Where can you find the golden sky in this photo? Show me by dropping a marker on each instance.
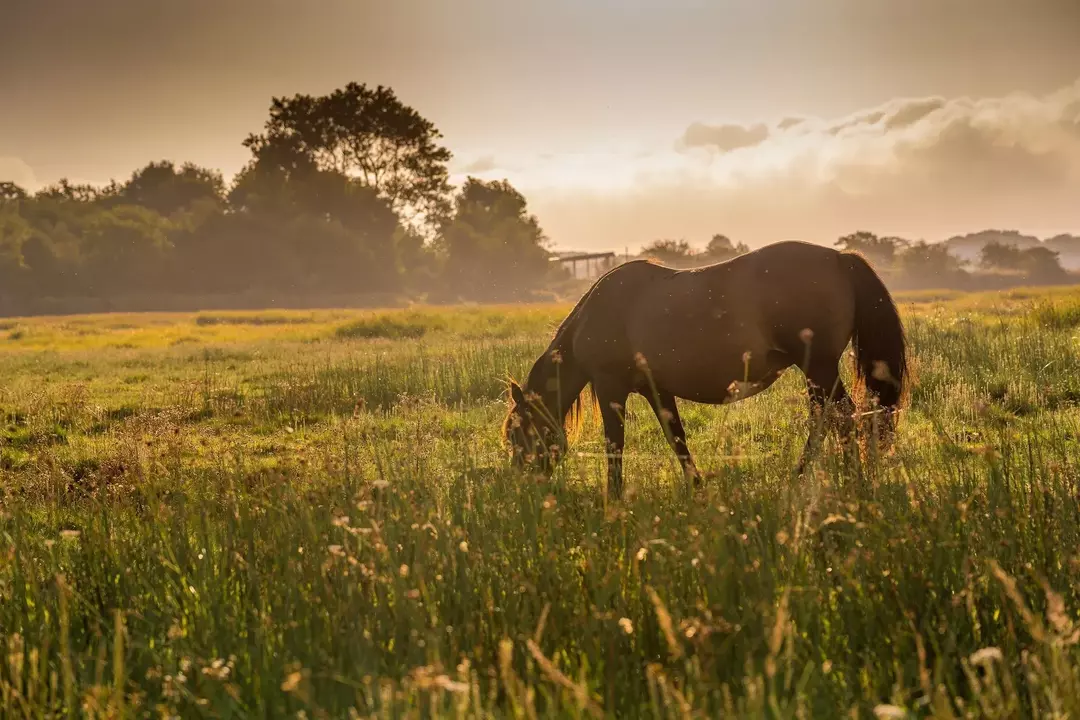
(622, 120)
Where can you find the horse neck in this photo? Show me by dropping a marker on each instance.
(568, 384)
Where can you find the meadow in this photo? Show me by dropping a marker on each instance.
(311, 514)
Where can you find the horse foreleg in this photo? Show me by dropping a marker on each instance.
(612, 401)
(667, 414)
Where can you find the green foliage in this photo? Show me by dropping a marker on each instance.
(366, 133)
(170, 191)
(494, 247)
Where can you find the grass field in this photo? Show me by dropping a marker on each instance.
(310, 514)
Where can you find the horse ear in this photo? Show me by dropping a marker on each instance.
(516, 394)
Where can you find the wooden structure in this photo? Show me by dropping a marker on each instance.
(586, 266)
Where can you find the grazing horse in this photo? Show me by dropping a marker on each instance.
(716, 334)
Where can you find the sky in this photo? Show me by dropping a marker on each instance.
(622, 121)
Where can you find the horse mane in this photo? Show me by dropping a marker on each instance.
(562, 347)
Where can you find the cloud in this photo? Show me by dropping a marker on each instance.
(480, 165)
(15, 170)
(923, 167)
(723, 138)
(790, 122)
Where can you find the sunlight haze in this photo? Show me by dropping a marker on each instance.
(621, 122)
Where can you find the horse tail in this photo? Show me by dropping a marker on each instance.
(878, 337)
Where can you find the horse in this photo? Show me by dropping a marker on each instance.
(716, 334)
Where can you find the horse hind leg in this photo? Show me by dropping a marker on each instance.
(830, 407)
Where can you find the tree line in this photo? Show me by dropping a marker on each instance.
(910, 264)
(343, 193)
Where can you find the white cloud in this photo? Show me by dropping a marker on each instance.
(15, 170)
(924, 167)
(724, 137)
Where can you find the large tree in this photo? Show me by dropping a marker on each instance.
(169, 190)
(367, 134)
(494, 248)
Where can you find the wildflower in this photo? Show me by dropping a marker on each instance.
(463, 546)
(403, 571)
(626, 625)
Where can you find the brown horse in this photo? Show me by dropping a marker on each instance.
(715, 335)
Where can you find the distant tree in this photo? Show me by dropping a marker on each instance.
(124, 250)
(14, 232)
(721, 248)
(168, 190)
(882, 251)
(999, 256)
(494, 248)
(285, 187)
(928, 261)
(1043, 264)
(10, 192)
(1037, 263)
(66, 190)
(670, 252)
(366, 133)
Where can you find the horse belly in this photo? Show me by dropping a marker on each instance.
(712, 372)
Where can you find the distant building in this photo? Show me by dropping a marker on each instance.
(585, 266)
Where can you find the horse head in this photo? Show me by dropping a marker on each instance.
(536, 438)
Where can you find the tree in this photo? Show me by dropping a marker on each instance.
(669, 252)
(367, 134)
(721, 248)
(999, 256)
(169, 191)
(124, 250)
(10, 192)
(928, 261)
(494, 248)
(285, 187)
(881, 251)
(14, 232)
(78, 192)
(1038, 263)
(1043, 264)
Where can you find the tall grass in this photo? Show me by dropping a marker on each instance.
(260, 530)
